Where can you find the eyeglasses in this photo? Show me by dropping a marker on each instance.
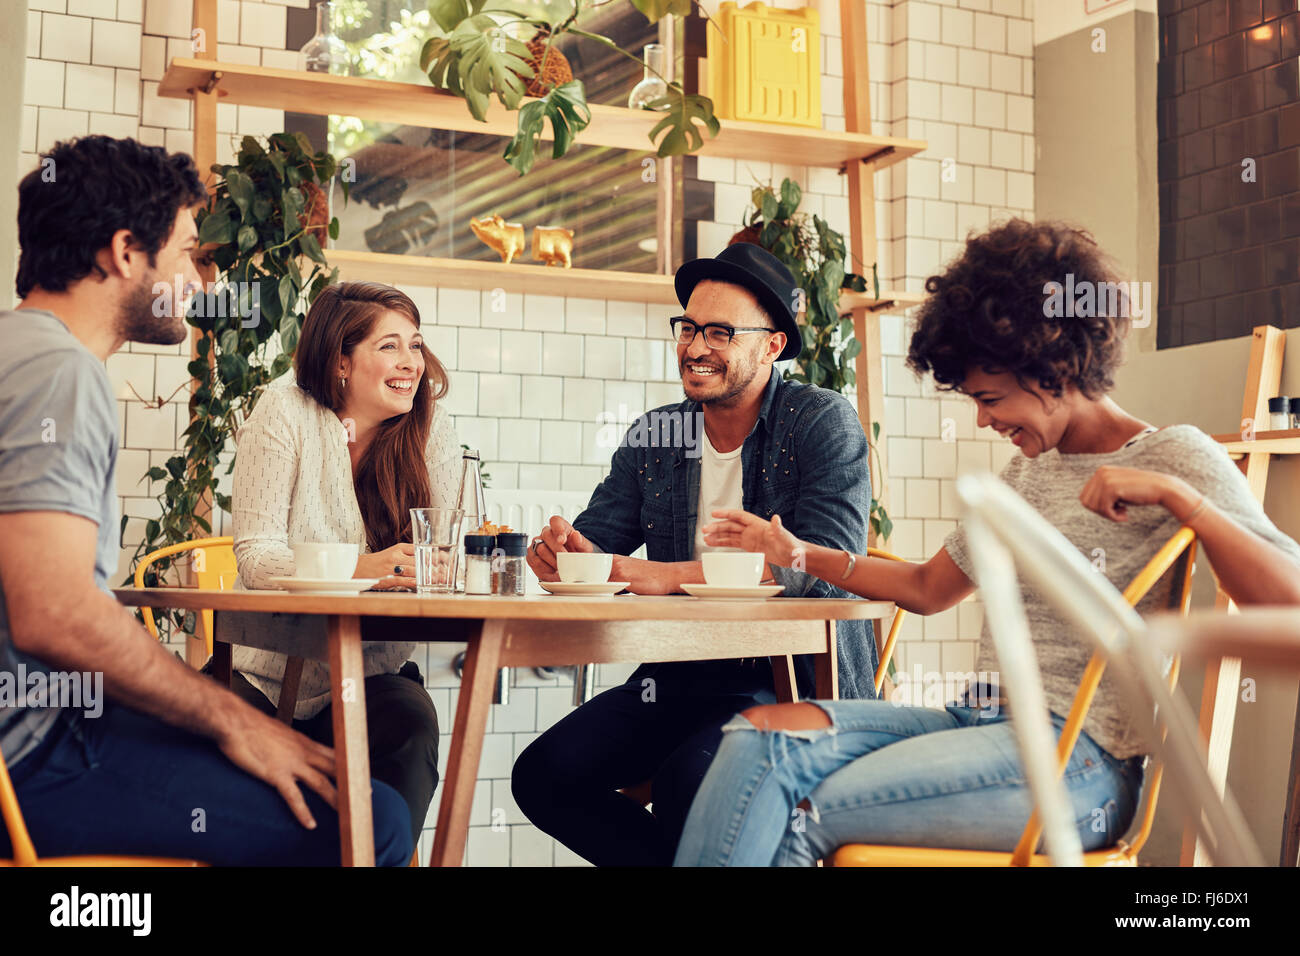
(716, 336)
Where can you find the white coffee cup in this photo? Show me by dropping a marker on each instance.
(578, 567)
(733, 569)
(325, 561)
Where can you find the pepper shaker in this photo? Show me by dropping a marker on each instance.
(508, 565)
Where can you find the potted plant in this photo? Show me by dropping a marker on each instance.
(814, 253)
(262, 230)
(477, 53)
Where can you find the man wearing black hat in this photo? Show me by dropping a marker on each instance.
(743, 438)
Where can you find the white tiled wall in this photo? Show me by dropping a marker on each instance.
(528, 382)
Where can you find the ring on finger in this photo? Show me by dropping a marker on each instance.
(536, 542)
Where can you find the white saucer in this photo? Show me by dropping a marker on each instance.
(325, 585)
(720, 591)
(595, 587)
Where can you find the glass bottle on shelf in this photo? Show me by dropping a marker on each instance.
(652, 87)
(324, 52)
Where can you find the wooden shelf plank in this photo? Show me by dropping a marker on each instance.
(517, 277)
(546, 280)
(421, 105)
(891, 300)
(1280, 442)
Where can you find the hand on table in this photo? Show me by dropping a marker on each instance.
(557, 536)
(281, 756)
(383, 564)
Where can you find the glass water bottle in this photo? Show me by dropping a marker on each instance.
(652, 87)
(325, 52)
(470, 500)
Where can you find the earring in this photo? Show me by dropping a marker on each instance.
(343, 381)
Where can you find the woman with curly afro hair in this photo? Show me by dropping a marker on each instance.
(997, 327)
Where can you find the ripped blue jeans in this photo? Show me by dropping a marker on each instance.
(888, 774)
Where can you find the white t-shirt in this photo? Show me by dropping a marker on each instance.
(721, 486)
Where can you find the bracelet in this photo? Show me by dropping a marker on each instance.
(853, 562)
(1195, 511)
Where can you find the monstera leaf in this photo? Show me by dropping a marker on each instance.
(566, 107)
(684, 111)
(656, 10)
(475, 60)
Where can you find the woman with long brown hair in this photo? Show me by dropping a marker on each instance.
(340, 452)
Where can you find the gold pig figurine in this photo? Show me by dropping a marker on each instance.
(553, 245)
(505, 238)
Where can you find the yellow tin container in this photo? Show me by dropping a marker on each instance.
(769, 67)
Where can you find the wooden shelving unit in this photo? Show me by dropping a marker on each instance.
(524, 277)
(855, 152)
(421, 105)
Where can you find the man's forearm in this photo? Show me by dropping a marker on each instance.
(101, 636)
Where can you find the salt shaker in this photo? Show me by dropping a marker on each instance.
(1279, 413)
(478, 563)
(509, 569)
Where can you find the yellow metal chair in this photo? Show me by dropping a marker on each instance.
(1122, 853)
(213, 564)
(214, 568)
(887, 651)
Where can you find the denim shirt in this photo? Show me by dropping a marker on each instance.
(806, 459)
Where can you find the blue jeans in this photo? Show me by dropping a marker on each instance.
(889, 774)
(127, 783)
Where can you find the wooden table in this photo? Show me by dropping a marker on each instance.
(532, 631)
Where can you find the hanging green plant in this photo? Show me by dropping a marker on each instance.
(262, 230)
(815, 253)
(475, 56)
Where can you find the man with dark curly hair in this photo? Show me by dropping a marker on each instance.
(171, 764)
(876, 772)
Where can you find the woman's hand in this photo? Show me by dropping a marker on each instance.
(1111, 490)
(740, 529)
(384, 565)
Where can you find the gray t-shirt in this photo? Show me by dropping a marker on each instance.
(1051, 483)
(58, 449)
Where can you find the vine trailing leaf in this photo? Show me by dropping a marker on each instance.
(262, 231)
(477, 56)
(815, 253)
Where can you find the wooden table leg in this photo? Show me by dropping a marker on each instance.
(351, 740)
(221, 663)
(289, 690)
(477, 682)
(783, 679)
(827, 667)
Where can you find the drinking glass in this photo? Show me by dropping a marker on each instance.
(435, 534)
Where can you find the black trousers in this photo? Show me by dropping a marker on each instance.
(664, 724)
(403, 730)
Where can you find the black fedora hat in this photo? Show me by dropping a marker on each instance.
(756, 269)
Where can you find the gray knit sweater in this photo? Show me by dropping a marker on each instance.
(1051, 483)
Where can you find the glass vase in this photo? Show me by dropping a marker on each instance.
(652, 87)
(325, 52)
